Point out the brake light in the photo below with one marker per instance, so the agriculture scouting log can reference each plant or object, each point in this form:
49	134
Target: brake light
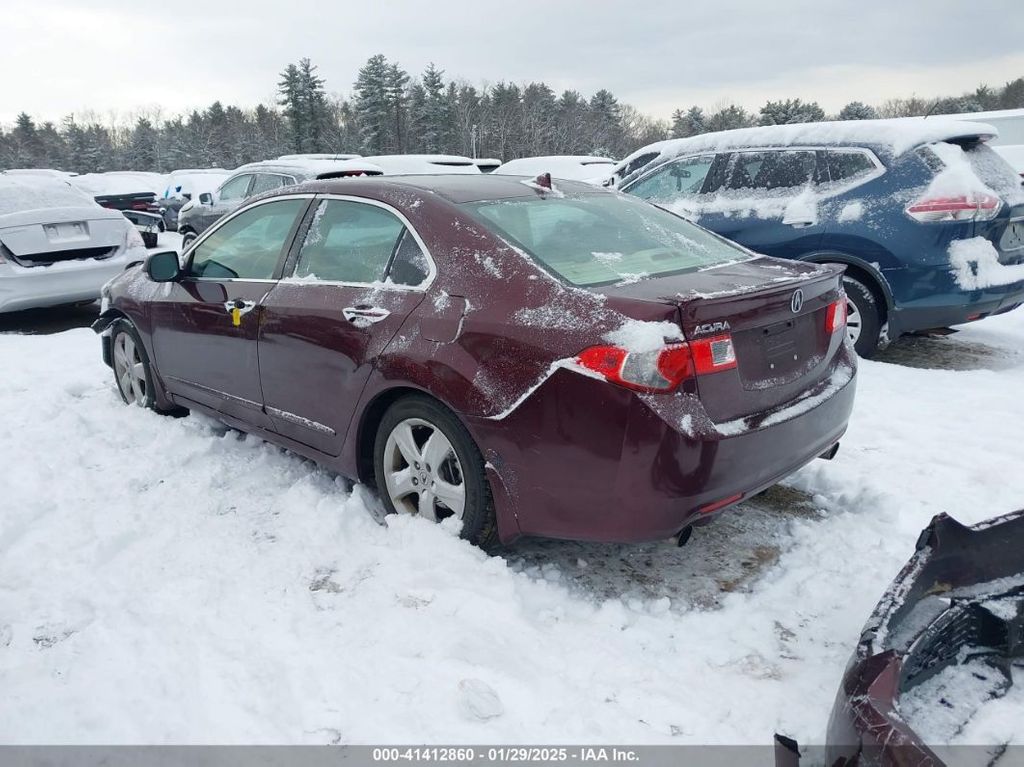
969	207
661	370
835	317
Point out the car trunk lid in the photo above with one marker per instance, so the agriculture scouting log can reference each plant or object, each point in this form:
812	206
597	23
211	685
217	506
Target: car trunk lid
63	234
775	313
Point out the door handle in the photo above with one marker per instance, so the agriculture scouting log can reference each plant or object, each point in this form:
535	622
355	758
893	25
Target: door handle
365	315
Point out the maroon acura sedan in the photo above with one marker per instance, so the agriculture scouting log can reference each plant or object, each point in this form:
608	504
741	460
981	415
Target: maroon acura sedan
564	362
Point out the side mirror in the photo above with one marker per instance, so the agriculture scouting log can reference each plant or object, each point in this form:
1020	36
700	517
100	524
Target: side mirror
163	266
206	199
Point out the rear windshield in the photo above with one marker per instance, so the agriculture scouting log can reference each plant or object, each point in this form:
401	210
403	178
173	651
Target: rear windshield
604	239
38	194
984	163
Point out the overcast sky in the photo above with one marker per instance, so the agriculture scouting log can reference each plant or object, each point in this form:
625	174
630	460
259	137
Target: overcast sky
63	57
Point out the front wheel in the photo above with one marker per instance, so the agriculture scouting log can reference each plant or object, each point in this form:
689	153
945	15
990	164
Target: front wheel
187	239
426	463
132	373
863	317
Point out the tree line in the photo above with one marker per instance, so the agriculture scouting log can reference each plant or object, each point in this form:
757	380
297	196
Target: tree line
391	111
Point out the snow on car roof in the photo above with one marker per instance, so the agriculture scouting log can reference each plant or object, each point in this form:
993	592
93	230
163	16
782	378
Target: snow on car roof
121	182
309	166
22	193
420	164
572	167
896	136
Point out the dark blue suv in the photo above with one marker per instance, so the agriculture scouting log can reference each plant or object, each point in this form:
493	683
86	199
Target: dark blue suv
928	220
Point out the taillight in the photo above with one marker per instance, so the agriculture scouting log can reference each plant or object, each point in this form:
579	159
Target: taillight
661	370
835	317
968	207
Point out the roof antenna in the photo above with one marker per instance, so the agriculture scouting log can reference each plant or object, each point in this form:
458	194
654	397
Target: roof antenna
931	109
543	181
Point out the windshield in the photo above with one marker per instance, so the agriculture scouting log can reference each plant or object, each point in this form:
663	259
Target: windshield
604	239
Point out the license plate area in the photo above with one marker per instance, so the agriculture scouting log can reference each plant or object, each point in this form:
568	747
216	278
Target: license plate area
774	353
71	231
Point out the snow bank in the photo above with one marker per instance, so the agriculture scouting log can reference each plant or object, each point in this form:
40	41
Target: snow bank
976	265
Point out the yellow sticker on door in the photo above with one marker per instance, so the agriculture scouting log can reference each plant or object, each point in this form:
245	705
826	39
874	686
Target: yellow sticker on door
238	309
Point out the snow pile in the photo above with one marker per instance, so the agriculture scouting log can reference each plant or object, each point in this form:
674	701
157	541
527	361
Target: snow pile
638	336
147	561
851	211
976	265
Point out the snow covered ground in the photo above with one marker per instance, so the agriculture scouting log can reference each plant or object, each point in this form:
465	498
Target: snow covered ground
170	580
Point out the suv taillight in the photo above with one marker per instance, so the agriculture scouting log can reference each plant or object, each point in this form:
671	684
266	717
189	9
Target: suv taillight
967	207
660	370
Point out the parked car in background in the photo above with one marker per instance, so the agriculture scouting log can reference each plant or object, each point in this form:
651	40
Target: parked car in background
196	216
319	156
1010	124
570	363
423	164
60	175
182	186
57	245
594	170
133	193
487	164
927	219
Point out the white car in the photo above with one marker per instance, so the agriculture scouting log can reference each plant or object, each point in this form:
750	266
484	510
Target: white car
422	164
57	246
593	170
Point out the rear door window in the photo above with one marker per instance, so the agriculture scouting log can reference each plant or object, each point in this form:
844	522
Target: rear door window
677	179
236	188
355	242
265	182
848	165
771	170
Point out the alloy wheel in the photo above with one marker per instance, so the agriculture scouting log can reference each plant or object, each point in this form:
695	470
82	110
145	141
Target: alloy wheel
853	321
129	370
422	471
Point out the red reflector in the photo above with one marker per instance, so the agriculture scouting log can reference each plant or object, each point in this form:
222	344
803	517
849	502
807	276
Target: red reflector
720	504
835	318
973	317
711	355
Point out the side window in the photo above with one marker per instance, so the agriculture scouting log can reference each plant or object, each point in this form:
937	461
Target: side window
410	266
265	182
236	188
349	242
848	166
681	178
774	170
249	245
639	162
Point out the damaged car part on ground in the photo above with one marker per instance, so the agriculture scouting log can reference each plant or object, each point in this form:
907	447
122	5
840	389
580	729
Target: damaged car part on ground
563	362
958	601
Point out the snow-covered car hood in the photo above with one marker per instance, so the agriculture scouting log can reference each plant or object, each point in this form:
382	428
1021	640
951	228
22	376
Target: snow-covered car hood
41	231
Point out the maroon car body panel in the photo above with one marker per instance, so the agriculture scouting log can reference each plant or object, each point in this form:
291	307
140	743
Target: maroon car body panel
567	454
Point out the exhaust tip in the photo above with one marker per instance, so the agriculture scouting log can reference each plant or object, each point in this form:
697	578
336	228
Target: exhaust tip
829	454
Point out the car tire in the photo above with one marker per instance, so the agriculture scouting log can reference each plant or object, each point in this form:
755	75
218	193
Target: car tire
407	482
187	238
864	317
137	388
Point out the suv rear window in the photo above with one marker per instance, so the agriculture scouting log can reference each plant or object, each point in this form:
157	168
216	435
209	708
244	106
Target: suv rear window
847	166
986	165
604	239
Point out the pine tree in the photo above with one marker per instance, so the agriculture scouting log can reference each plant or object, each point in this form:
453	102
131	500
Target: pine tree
571	117
28	152
142	148
857	110
688	123
372	105
435	128
289	91
791	111
605	124
729	117
397	79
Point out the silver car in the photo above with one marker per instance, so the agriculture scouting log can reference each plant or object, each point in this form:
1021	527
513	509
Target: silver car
57	246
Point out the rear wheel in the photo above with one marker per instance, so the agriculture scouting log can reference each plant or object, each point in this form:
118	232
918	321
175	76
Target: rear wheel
426	463
863	317
187	238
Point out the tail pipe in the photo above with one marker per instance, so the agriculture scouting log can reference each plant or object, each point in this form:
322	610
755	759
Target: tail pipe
829	454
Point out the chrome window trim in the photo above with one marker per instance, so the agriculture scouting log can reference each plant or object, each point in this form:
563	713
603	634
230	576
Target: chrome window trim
421	288
186	255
